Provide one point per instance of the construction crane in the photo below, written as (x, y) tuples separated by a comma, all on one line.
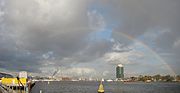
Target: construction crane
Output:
[(55, 72)]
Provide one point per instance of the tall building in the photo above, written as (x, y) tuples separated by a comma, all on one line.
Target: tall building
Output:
[(120, 71)]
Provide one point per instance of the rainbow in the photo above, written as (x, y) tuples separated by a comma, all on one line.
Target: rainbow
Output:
[(147, 47)]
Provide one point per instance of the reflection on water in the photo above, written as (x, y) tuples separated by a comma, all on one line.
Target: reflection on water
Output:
[(110, 87)]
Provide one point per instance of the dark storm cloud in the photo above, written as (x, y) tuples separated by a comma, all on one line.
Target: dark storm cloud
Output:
[(41, 33), (47, 34), (38, 29), (136, 16), (33, 28)]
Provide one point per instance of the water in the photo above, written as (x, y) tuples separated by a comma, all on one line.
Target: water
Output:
[(110, 87)]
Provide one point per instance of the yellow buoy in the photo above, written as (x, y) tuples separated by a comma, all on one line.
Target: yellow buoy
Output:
[(101, 88)]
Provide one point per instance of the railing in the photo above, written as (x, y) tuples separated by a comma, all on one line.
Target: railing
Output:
[(6, 89), (13, 89)]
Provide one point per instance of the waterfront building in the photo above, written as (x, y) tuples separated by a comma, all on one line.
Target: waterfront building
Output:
[(23, 74), (119, 72)]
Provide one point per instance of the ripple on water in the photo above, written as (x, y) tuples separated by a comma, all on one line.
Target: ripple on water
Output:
[(110, 87)]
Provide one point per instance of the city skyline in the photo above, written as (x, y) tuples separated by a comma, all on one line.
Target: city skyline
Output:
[(90, 38)]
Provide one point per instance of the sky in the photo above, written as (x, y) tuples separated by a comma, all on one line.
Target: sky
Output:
[(89, 38)]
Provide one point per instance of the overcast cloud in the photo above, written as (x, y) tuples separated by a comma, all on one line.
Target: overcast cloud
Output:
[(81, 36)]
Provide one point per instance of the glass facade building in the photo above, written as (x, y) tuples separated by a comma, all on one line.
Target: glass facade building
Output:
[(120, 71)]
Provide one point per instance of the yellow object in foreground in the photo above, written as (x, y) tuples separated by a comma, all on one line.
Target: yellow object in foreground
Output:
[(13, 81), (101, 88)]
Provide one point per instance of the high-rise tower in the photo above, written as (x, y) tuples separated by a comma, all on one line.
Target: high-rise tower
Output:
[(120, 71)]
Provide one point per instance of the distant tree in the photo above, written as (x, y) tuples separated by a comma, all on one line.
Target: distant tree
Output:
[(157, 77), (144, 78), (167, 78), (133, 78), (178, 77), (140, 78)]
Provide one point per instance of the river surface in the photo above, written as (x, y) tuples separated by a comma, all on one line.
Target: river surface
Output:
[(109, 87)]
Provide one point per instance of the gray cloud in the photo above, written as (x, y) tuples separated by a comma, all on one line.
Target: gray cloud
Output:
[(136, 16), (139, 17), (40, 34), (33, 28)]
